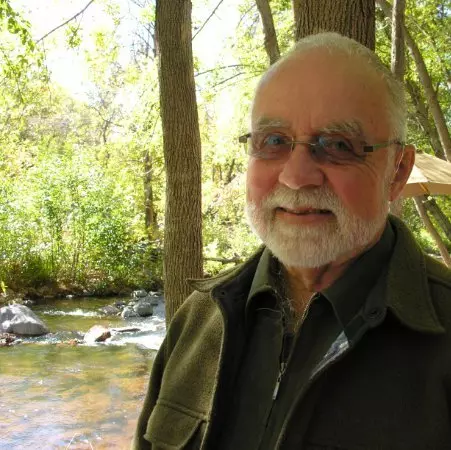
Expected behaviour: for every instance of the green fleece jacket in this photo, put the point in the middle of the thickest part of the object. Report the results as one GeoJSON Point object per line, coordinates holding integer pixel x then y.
{"type": "Point", "coordinates": [386, 386]}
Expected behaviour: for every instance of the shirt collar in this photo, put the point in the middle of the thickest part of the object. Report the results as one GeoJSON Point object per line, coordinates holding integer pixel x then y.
{"type": "Point", "coordinates": [349, 293]}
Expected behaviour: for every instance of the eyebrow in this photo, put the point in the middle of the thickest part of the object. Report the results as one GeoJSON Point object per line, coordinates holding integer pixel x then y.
{"type": "Point", "coordinates": [265, 123]}
{"type": "Point", "coordinates": [351, 128]}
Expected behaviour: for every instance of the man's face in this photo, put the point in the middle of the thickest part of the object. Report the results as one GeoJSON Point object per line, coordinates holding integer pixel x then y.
{"type": "Point", "coordinates": [311, 213]}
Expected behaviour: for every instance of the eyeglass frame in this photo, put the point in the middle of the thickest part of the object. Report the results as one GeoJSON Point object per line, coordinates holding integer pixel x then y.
{"type": "Point", "coordinates": [366, 148]}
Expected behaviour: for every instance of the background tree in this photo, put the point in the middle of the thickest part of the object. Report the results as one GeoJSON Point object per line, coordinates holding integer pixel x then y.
{"type": "Point", "coordinates": [181, 140]}
{"type": "Point", "coordinates": [353, 18]}
{"type": "Point", "coordinates": [73, 211]}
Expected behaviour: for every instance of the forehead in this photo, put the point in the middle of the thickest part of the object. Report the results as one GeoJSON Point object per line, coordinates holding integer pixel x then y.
{"type": "Point", "coordinates": [310, 91]}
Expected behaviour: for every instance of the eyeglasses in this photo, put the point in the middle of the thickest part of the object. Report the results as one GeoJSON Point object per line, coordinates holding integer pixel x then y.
{"type": "Point", "coordinates": [324, 148]}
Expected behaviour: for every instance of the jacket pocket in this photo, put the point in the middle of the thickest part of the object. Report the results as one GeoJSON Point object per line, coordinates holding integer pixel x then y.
{"type": "Point", "coordinates": [174, 427]}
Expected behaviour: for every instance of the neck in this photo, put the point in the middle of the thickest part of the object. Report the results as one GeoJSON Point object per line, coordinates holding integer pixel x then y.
{"type": "Point", "coordinates": [302, 283]}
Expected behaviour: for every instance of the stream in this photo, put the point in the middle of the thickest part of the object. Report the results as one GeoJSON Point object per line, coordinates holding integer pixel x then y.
{"type": "Point", "coordinates": [55, 394]}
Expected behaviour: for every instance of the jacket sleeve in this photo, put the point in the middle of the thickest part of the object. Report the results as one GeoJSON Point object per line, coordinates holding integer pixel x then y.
{"type": "Point", "coordinates": [139, 443]}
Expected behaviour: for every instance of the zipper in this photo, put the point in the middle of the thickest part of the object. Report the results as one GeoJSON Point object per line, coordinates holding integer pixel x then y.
{"type": "Point", "coordinates": [285, 353]}
{"type": "Point", "coordinates": [339, 348]}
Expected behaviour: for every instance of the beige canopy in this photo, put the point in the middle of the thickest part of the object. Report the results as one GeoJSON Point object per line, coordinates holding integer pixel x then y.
{"type": "Point", "coordinates": [430, 175]}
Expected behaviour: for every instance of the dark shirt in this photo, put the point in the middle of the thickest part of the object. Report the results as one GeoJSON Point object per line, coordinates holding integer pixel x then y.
{"type": "Point", "coordinates": [279, 364]}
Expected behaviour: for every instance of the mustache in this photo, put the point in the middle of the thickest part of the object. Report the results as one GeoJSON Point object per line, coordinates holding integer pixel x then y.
{"type": "Point", "coordinates": [321, 197]}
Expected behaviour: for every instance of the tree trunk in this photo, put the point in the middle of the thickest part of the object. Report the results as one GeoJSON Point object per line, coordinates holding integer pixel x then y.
{"type": "Point", "coordinates": [423, 118]}
{"type": "Point", "coordinates": [397, 39]}
{"type": "Point", "coordinates": [423, 75]}
{"type": "Point", "coordinates": [352, 18]}
{"type": "Point", "coordinates": [432, 231]}
{"type": "Point", "coordinates": [182, 152]}
{"type": "Point", "coordinates": [431, 206]}
{"type": "Point", "coordinates": [296, 12]}
{"type": "Point", "coordinates": [271, 44]}
{"type": "Point", "coordinates": [150, 216]}
{"type": "Point", "coordinates": [398, 68]}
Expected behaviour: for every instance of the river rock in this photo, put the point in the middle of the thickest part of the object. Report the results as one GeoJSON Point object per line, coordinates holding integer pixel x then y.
{"type": "Point", "coordinates": [19, 319]}
{"type": "Point", "coordinates": [97, 333]}
{"type": "Point", "coordinates": [153, 299]}
{"type": "Point", "coordinates": [140, 293]}
{"type": "Point", "coordinates": [143, 307]}
{"type": "Point", "coordinates": [110, 310]}
{"type": "Point", "coordinates": [128, 311]}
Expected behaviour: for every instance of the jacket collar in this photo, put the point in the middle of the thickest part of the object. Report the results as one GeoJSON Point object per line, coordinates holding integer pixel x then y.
{"type": "Point", "coordinates": [407, 284]}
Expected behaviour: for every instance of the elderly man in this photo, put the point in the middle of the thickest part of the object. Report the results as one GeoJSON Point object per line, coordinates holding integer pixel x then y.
{"type": "Point", "coordinates": [336, 334]}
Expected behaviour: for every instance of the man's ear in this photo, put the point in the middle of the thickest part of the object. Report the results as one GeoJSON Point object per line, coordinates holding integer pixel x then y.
{"type": "Point", "coordinates": [404, 162]}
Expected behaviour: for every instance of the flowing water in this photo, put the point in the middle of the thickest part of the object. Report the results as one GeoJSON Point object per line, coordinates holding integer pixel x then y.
{"type": "Point", "coordinates": [55, 394]}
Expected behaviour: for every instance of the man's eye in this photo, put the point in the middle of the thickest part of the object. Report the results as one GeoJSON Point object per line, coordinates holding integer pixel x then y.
{"type": "Point", "coordinates": [275, 140]}
{"type": "Point", "coordinates": [335, 144]}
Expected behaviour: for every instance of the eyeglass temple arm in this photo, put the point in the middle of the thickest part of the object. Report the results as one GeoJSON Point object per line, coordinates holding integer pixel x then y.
{"type": "Point", "coordinates": [243, 139]}
{"type": "Point", "coordinates": [370, 148]}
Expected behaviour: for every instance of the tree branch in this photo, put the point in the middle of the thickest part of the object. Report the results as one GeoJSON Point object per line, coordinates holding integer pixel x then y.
{"type": "Point", "coordinates": [235, 260]}
{"type": "Point", "coordinates": [423, 75]}
{"type": "Point", "coordinates": [65, 23]}
{"type": "Point", "coordinates": [221, 68]}
{"type": "Point", "coordinates": [208, 18]}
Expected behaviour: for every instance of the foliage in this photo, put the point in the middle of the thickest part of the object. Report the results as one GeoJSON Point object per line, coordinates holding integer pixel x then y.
{"type": "Point", "coordinates": [73, 169]}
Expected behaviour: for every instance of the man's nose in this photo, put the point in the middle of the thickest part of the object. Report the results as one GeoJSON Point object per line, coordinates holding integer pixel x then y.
{"type": "Point", "coordinates": [301, 170]}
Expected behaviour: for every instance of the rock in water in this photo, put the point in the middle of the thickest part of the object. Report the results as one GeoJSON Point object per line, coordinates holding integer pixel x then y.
{"type": "Point", "coordinates": [140, 293]}
{"type": "Point", "coordinates": [153, 299]}
{"type": "Point", "coordinates": [143, 308]}
{"type": "Point", "coordinates": [128, 312]}
{"type": "Point", "coordinates": [21, 320]}
{"type": "Point", "coordinates": [97, 333]}
{"type": "Point", "coordinates": [110, 310]}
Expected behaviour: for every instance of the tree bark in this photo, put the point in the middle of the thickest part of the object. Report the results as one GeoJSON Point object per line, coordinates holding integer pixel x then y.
{"type": "Point", "coordinates": [296, 11]}
{"type": "Point", "coordinates": [423, 75]}
{"type": "Point", "coordinates": [352, 18]}
{"type": "Point", "coordinates": [271, 44]}
{"type": "Point", "coordinates": [432, 231]}
{"type": "Point", "coordinates": [423, 118]}
{"type": "Point", "coordinates": [182, 152]}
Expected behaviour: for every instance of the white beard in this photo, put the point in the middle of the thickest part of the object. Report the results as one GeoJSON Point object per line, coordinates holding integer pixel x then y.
{"type": "Point", "coordinates": [313, 246]}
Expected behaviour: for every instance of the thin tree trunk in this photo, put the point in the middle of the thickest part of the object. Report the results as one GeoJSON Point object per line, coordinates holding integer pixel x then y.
{"type": "Point", "coordinates": [271, 44]}
{"type": "Point", "coordinates": [398, 68]}
{"type": "Point", "coordinates": [352, 18]}
{"type": "Point", "coordinates": [397, 39]}
{"type": "Point", "coordinates": [150, 216]}
{"type": "Point", "coordinates": [423, 118]}
{"type": "Point", "coordinates": [182, 151]}
{"type": "Point", "coordinates": [434, 209]}
{"type": "Point", "coordinates": [431, 96]}
{"type": "Point", "coordinates": [432, 231]}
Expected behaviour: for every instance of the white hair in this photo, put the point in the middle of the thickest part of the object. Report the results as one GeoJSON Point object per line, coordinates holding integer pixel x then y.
{"type": "Point", "coordinates": [336, 42]}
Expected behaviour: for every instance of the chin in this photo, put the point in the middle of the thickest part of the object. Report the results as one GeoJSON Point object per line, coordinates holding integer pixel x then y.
{"type": "Point", "coordinates": [312, 247]}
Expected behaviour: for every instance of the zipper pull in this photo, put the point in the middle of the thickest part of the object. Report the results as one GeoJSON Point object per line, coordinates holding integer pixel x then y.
{"type": "Point", "coordinates": [283, 366]}
{"type": "Point", "coordinates": [276, 388]}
